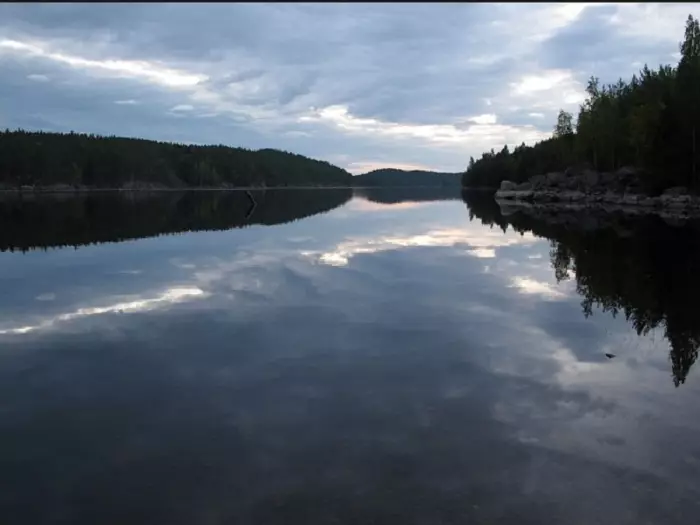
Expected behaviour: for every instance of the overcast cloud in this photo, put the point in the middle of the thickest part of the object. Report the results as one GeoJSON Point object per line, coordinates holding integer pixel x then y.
{"type": "Point", "coordinates": [360, 85]}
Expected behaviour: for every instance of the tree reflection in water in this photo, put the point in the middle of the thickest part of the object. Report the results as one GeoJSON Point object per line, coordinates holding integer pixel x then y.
{"type": "Point", "coordinates": [56, 220]}
{"type": "Point", "coordinates": [644, 267]}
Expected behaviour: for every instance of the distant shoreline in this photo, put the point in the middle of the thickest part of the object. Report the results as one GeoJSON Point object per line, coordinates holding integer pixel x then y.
{"type": "Point", "coordinates": [42, 190]}
{"type": "Point", "coordinates": [45, 190]}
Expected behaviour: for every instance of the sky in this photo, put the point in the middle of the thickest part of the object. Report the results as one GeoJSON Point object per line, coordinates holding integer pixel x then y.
{"type": "Point", "coordinates": [363, 86]}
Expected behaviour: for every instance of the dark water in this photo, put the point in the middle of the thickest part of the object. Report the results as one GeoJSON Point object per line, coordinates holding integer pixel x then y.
{"type": "Point", "coordinates": [384, 359]}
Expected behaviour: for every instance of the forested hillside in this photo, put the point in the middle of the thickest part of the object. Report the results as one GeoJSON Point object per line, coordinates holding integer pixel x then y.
{"type": "Point", "coordinates": [650, 122]}
{"type": "Point", "coordinates": [49, 159]}
{"type": "Point", "coordinates": [396, 177]}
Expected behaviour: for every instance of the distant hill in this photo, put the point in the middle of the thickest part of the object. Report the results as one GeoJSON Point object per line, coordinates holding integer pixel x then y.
{"type": "Point", "coordinates": [396, 177]}
{"type": "Point", "coordinates": [76, 160]}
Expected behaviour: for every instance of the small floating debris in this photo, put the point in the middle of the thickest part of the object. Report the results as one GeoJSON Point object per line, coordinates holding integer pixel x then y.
{"type": "Point", "coordinates": [609, 356]}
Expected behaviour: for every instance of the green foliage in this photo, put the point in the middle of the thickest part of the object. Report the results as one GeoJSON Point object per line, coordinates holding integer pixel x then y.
{"type": "Point", "coordinates": [564, 125]}
{"type": "Point", "coordinates": [45, 159]}
{"type": "Point", "coordinates": [521, 164]}
{"type": "Point", "coordinates": [649, 122]}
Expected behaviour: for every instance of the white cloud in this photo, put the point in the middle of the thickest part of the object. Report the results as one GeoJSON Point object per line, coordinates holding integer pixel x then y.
{"type": "Point", "coordinates": [182, 107]}
{"type": "Point", "coordinates": [549, 89]}
{"type": "Point", "coordinates": [488, 118]}
{"type": "Point", "coordinates": [38, 78]}
{"type": "Point", "coordinates": [530, 84]}
{"type": "Point", "coordinates": [527, 285]}
{"type": "Point", "coordinates": [483, 135]}
{"type": "Point", "coordinates": [483, 253]}
{"type": "Point", "coordinates": [140, 70]}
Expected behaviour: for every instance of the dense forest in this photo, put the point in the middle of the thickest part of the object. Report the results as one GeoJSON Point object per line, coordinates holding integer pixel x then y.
{"type": "Point", "coordinates": [649, 122]}
{"type": "Point", "coordinates": [390, 177]}
{"type": "Point", "coordinates": [91, 161]}
{"type": "Point", "coordinates": [46, 221]}
{"type": "Point", "coordinates": [640, 267]}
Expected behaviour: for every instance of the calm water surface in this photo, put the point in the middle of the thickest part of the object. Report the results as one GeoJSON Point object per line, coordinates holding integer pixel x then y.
{"type": "Point", "coordinates": [384, 358]}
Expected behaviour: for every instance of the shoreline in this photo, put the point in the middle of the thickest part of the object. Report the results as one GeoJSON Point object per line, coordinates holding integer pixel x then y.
{"type": "Point", "coordinates": [671, 206]}
{"type": "Point", "coordinates": [49, 190]}
{"type": "Point", "coordinates": [43, 190]}
{"type": "Point", "coordinates": [582, 187]}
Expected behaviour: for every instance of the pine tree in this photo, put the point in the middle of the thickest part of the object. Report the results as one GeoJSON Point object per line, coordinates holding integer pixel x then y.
{"type": "Point", "coordinates": [689, 88]}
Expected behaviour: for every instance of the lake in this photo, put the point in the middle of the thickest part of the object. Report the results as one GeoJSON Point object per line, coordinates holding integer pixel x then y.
{"type": "Point", "coordinates": [412, 356]}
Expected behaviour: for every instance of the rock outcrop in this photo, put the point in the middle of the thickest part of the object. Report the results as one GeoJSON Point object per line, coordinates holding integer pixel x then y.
{"type": "Point", "coordinates": [585, 187]}
{"type": "Point", "coordinates": [507, 185]}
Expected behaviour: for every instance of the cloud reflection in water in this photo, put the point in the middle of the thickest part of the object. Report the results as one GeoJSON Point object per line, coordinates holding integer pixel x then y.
{"type": "Point", "coordinates": [169, 297]}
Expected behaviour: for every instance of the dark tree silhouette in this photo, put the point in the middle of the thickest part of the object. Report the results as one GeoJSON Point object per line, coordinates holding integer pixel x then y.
{"type": "Point", "coordinates": [48, 159]}
{"type": "Point", "coordinates": [396, 177]}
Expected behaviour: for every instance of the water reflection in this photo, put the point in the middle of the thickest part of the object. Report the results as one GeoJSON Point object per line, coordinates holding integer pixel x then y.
{"type": "Point", "coordinates": [54, 220]}
{"type": "Point", "coordinates": [170, 296]}
{"type": "Point", "coordinates": [644, 267]}
{"type": "Point", "coordinates": [408, 194]}
{"type": "Point", "coordinates": [439, 374]}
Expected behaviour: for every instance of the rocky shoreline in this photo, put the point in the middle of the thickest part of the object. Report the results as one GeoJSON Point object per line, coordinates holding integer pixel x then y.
{"type": "Point", "coordinates": [586, 188]}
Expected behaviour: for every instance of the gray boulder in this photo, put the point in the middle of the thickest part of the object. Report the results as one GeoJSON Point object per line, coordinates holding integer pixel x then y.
{"type": "Point", "coordinates": [630, 198]}
{"type": "Point", "coordinates": [555, 178]}
{"type": "Point", "coordinates": [590, 178]}
{"type": "Point", "coordinates": [538, 182]}
{"type": "Point", "coordinates": [649, 201]}
{"type": "Point", "coordinates": [525, 186]}
{"type": "Point", "coordinates": [627, 171]}
{"type": "Point", "coordinates": [627, 176]}
{"type": "Point", "coordinates": [507, 185]}
{"type": "Point", "coordinates": [578, 170]}
{"type": "Point", "coordinates": [676, 201]}
{"type": "Point", "coordinates": [572, 182]}
{"type": "Point", "coordinates": [569, 184]}
{"type": "Point", "coordinates": [607, 179]}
